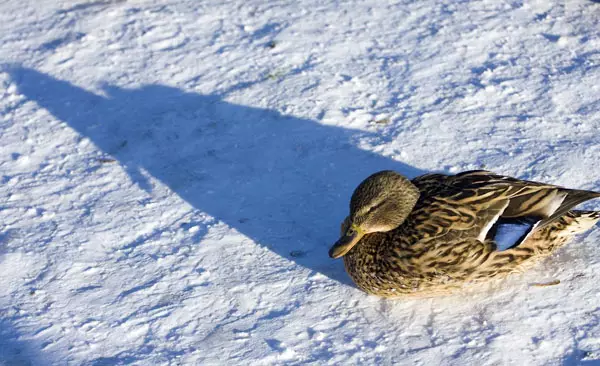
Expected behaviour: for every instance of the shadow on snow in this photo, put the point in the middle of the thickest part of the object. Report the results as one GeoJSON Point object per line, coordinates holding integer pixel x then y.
{"type": "Point", "coordinates": [283, 181]}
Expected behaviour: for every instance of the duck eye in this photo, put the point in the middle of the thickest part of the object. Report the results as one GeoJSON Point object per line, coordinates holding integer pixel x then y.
{"type": "Point", "coordinates": [373, 208]}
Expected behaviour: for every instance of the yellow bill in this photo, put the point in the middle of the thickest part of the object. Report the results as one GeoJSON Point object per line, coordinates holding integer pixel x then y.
{"type": "Point", "coordinates": [350, 238]}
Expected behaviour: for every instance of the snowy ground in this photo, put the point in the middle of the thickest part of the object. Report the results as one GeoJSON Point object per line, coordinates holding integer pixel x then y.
{"type": "Point", "coordinates": [173, 173]}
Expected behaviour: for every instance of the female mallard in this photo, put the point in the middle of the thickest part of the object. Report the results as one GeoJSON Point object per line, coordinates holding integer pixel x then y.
{"type": "Point", "coordinates": [437, 232]}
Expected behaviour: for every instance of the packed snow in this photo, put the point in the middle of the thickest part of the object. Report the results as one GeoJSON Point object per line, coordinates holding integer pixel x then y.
{"type": "Point", "coordinates": [174, 172]}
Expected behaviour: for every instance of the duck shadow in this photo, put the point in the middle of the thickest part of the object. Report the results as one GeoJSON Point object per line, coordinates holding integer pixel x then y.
{"type": "Point", "coordinates": [14, 351]}
{"type": "Point", "coordinates": [283, 181]}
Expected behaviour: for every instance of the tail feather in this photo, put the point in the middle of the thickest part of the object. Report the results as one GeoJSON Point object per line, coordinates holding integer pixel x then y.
{"type": "Point", "coordinates": [572, 199]}
{"type": "Point", "coordinates": [577, 221]}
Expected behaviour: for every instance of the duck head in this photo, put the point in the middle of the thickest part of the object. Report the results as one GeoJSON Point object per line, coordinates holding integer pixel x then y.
{"type": "Point", "coordinates": [380, 203]}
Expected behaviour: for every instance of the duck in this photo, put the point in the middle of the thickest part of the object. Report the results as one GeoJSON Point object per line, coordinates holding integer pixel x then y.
{"type": "Point", "coordinates": [436, 233]}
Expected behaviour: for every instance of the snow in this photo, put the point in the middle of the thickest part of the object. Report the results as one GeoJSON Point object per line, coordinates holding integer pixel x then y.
{"type": "Point", "coordinates": [174, 172]}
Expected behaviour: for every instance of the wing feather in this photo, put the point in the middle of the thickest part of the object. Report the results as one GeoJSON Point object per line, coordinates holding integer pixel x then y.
{"type": "Point", "coordinates": [467, 205]}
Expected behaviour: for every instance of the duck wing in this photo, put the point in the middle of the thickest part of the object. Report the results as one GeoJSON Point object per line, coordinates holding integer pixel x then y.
{"type": "Point", "coordinates": [476, 204]}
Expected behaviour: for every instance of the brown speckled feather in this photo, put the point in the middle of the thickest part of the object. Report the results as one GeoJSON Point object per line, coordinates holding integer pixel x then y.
{"type": "Point", "coordinates": [444, 242]}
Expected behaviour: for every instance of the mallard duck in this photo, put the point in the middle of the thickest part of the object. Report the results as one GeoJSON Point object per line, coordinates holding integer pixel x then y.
{"type": "Point", "coordinates": [437, 232]}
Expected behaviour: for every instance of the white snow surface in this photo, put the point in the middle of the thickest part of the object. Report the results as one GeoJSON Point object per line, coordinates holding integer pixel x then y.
{"type": "Point", "coordinates": [174, 172]}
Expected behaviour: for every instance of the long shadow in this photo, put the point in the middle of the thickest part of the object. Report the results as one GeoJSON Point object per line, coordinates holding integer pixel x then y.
{"type": "Point", "coordinates": [283, 181]}
{"type": "Point", "coordinates": [12, 350]}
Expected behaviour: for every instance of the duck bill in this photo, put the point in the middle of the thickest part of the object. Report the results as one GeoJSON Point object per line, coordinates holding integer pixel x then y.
{"type": "Point", "coordinates": [346, 242]}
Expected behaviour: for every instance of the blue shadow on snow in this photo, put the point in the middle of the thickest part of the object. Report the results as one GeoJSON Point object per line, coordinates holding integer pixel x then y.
{"type": "Point", "coordinates": [283, 181]}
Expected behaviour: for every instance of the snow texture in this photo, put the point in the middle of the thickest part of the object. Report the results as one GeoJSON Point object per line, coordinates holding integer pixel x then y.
{"type": "Point", "coordinates": [173, 173]}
